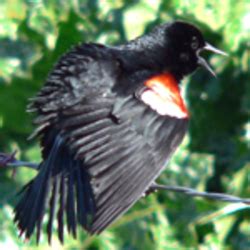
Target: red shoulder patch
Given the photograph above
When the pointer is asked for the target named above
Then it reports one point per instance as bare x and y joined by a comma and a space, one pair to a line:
163, 96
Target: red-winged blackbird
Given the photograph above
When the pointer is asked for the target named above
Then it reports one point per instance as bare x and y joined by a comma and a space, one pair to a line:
109, 119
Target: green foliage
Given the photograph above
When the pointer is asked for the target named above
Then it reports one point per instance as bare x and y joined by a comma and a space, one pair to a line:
215, 155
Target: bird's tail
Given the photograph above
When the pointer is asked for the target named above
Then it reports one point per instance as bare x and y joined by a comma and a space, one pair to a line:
63, 187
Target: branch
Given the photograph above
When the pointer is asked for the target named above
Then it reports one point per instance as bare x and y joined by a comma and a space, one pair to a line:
192, 192
9, 160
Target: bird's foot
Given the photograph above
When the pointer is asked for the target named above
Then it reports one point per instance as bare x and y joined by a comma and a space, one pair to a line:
150, 190
6, 159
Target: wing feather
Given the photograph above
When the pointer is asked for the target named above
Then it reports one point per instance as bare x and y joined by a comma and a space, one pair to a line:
120, 157
85, 118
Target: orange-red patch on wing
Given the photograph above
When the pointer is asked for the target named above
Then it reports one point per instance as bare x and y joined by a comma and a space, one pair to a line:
163, 96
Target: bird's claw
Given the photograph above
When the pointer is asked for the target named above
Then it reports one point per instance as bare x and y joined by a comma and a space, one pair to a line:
7, 158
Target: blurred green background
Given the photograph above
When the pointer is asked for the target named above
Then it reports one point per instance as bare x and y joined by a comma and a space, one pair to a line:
215, 155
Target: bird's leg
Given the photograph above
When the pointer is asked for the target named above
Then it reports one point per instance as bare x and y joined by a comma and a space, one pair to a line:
152, 189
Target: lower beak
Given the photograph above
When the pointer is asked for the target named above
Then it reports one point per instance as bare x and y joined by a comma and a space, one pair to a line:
202, 61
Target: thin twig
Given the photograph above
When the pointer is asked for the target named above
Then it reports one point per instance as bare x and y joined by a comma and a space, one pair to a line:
27, 164
9, 160
195, 193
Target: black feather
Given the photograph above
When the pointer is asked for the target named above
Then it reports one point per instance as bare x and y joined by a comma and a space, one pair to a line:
70, 204
60, 213
53, 202
64, 174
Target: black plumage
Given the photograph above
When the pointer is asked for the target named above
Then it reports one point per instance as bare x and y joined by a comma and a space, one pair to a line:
102, 145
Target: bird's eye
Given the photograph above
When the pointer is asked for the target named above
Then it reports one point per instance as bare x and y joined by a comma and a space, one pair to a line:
184, 57
194, 43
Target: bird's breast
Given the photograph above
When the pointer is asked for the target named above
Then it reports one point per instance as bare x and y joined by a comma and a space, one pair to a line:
162, 94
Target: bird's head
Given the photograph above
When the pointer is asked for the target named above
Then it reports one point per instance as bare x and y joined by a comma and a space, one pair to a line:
183, 43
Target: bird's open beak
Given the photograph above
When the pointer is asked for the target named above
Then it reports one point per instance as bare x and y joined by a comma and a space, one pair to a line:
203, 62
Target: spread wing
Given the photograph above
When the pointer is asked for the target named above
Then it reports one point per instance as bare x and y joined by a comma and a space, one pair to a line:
121, 160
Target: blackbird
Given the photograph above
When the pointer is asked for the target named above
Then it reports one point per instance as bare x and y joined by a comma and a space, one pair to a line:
109, 119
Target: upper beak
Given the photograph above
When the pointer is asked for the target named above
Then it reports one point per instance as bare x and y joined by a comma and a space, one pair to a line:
203, 62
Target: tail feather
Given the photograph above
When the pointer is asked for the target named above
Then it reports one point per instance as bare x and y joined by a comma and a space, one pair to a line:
70, 206
53, 202
30, 209
80, 199
34, 198
60, 213
63, 187
41, 209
